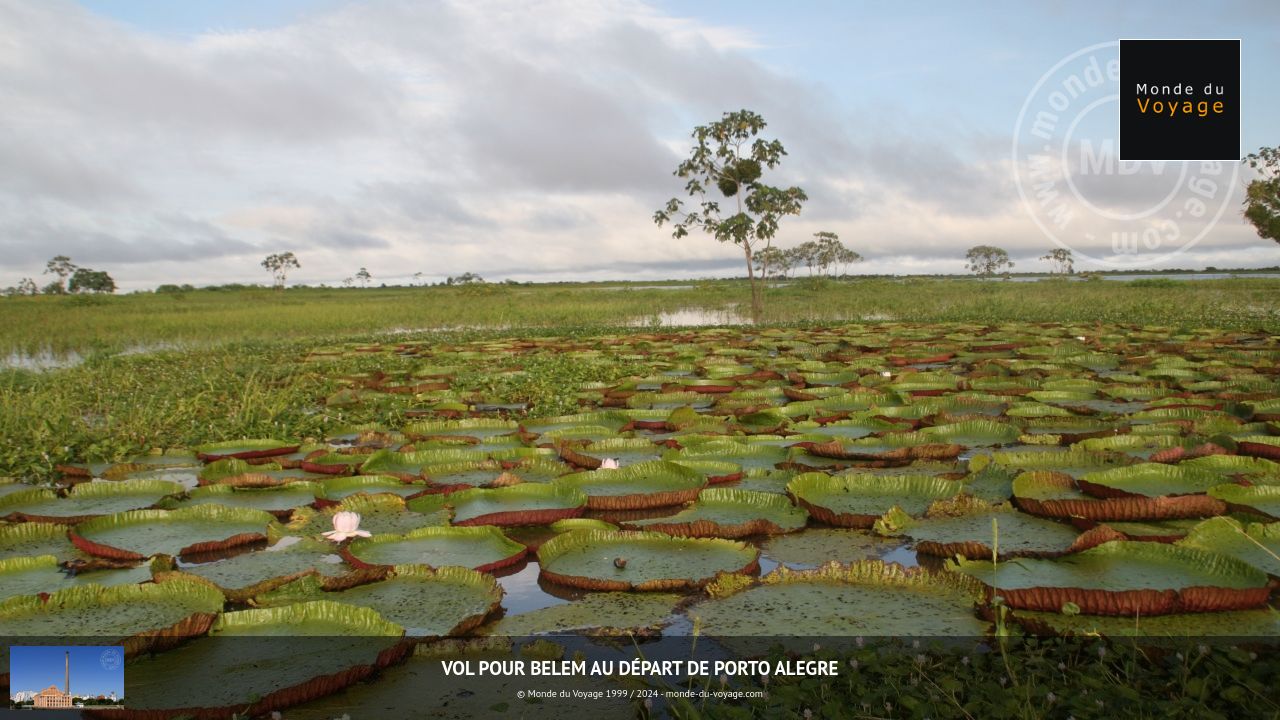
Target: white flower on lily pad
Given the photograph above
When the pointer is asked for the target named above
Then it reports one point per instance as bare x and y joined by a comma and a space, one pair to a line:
346, 525
609, 464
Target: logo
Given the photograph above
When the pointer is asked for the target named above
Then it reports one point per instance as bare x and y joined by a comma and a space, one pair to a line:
1066, 164
110, 659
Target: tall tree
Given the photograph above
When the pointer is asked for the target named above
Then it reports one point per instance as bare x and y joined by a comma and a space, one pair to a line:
1262, 196
987, 260
1060, 260
364, 277
279, 265
61, 266
729, 156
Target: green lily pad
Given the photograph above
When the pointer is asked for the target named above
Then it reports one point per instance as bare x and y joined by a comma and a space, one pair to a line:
868, 598
1149, 480
729, 513
1255, 543
1125, 578
331, 646
603, 560
380, 514
819, 546
88, 499
244, 575
1264, 499
340, 487
636, 487
31, 538
244, 449
482, 548
273, 499
523, 504
605, 613
1252, 624
115, 612
425, 601
138, 534
857, 500
31, 575
974, 530
974, 433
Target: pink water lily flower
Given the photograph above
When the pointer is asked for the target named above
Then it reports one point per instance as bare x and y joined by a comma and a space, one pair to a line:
346, 525
609, 464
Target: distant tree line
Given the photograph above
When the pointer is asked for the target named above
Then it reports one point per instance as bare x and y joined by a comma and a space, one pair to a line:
69, 278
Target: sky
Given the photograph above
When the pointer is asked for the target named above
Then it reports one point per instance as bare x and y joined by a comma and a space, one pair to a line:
38, 667
182, 142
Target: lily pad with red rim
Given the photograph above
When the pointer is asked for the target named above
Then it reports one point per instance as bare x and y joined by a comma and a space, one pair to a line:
636, 487
483, 548
522, 504
648, 561
729, 513
138, 534
425, 601
244, 449
857, 500
1125, 578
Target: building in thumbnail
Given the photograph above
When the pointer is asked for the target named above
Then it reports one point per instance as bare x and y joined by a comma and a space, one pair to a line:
52, 697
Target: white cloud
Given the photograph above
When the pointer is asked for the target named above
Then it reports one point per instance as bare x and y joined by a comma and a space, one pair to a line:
518, 140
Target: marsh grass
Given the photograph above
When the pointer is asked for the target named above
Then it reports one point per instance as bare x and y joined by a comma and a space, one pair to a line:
32, 325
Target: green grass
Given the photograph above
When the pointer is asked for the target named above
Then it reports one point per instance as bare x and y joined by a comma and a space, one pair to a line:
59, 325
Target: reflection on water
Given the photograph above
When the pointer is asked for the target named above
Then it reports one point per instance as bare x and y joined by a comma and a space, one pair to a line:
692, 317
46, 359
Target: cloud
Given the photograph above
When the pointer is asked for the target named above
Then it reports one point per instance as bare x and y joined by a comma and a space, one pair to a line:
509, 139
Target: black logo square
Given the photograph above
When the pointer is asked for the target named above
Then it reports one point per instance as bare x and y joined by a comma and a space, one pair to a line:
1180, 100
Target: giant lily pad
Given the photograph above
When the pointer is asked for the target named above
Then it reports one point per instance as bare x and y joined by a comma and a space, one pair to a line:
340, 487
819, 546
974, 433
317, 648
1148, 480
279, 500
523, 504
425, 601
138, 534
618, 560
729, 513
1255, 543
636, 487
857, 500
865, 598
244, 575
1263, 499
42, 574
379, 514
482, 548
1125, 578
87, 500
31, 538
604, 614
1055, 494
146, 614
972, 529
1252, 624
244, 449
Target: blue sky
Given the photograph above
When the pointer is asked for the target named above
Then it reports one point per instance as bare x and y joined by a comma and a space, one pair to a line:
183, 141
38, 667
